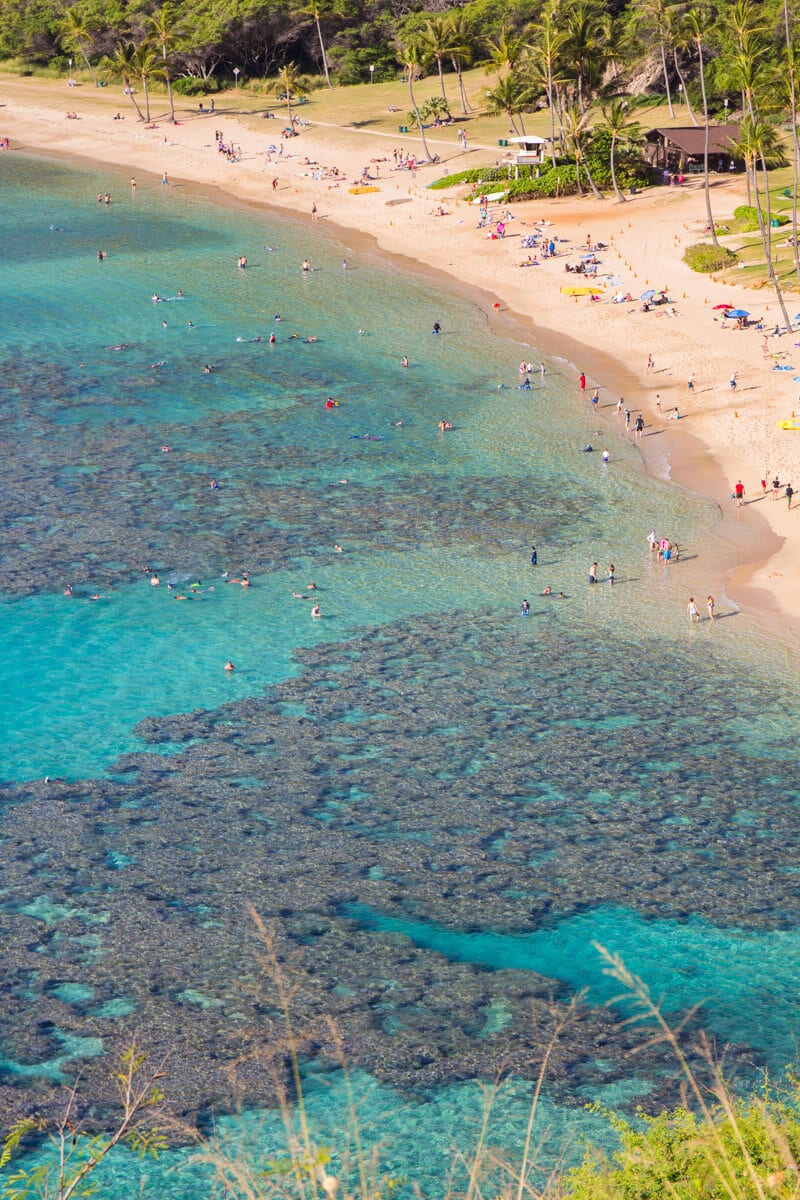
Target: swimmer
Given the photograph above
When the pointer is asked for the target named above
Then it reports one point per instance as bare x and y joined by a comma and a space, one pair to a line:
68, 590
180, 294
165, 449
229, 666
316, 611
190, 324
337, 548
245, 580
272, 339
208, 369
606, 456
404, 361
155, 298
306, 265
162, 362
311, 587
437, 329
299, 596
526, 609
164, 323
154, 581
277, 317
548, 591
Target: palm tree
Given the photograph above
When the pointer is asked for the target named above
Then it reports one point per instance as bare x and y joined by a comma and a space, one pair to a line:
509, 95
508, 50
545, 50
288, 79
436, 37
650, 23
413, 57
759, 145
792, 62
165, 25
584, 42
123, 63
147, 66
681, 40
316, 10
461, 50
76, 33
699, 22
576, 123
615, 122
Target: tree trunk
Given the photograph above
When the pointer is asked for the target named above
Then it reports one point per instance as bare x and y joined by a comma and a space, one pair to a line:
706, 135
598, 195
766, 238
462, 95
416, 112
169, 83
129, 90
441, 83
681, 80
88, 64
620, 198
795, 142
324, 55
552, 114
666, 81
146, 99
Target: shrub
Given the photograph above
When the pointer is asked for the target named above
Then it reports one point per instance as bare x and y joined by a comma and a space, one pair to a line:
189, 85
748, 215
475, 175
703, 256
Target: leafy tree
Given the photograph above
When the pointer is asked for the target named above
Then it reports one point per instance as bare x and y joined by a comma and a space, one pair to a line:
72, 1154
507, 50
76, 34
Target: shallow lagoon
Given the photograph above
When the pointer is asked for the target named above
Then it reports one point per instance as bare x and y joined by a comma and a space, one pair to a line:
442, 803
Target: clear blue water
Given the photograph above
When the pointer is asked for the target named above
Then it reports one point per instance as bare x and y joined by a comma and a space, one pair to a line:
440, 803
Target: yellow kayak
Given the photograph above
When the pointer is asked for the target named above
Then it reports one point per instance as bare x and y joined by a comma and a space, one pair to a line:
789, 425
358, 191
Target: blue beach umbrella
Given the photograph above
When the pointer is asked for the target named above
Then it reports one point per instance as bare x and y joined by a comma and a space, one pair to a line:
736, 313
648, 295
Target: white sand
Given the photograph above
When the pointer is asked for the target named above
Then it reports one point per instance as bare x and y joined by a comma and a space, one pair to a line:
646, 236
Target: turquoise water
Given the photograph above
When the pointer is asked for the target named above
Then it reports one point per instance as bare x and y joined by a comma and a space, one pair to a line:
440, 804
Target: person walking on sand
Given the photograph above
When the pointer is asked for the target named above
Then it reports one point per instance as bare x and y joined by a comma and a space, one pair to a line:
651, 366
691, 611
732, 382
788, 494
690, 382
738, 494
639, 425
710, 607
595, 399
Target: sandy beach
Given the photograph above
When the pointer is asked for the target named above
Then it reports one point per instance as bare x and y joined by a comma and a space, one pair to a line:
723, 434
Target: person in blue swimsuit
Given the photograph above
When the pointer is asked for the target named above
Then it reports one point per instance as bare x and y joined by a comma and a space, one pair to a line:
526, 608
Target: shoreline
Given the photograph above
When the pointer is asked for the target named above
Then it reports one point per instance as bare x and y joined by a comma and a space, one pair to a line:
705, 457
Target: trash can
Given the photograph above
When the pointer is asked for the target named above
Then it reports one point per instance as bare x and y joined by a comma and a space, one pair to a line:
502, 141
402, 129
634, 190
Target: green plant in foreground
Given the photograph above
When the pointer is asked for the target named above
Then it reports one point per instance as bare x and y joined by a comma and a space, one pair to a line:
76, 1152
703, 256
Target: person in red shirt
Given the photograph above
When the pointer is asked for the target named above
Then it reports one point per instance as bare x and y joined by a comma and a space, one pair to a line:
738, 493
